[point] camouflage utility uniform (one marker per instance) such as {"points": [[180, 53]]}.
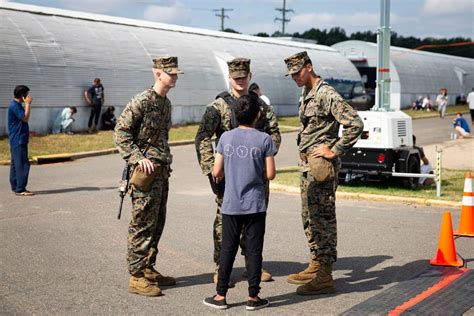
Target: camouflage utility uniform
{"points": [[145, 116], [322, 110], [217, 119]]}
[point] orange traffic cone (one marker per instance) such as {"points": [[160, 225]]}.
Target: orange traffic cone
{"points": [[446, 255], [466, 224]]}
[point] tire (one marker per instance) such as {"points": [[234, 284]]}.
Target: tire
{"points": [[412, 167]]}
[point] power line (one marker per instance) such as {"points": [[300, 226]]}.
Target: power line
{"points": [[283, 19], [222, 15]]}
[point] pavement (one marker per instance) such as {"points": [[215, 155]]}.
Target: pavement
{"points": [[63, 250]]}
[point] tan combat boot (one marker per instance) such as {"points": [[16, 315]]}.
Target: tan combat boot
{"points": [[153, 275], [321, 284], [143, 286], [306, 275]]}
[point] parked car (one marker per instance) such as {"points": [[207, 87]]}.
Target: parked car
{"points": [[353, 92]]}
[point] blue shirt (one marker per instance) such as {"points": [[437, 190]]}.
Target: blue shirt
{"points": [[244, 152], [461, 121], [18, 131]]}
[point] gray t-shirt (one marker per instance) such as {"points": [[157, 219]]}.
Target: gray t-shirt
{"points": [[244, 152]]}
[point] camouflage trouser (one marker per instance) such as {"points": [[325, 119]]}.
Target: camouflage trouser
{"points": [[146, 225], [218, 227], [318, 201]]}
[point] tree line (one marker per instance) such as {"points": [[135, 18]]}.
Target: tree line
{"points": [[448, 46]]}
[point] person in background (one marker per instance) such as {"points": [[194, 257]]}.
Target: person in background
{"points": [[95, 98], [461, 126], [470, 102], [108, 119], [425, 167], [18, 137], [256, 89], [64, 120], [442, 101], [417, 104], [426, 105]]}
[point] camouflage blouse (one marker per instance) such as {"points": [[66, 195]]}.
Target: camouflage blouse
{"points": [[146, 115], [322, 110]]}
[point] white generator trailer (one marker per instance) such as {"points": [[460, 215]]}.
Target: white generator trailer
{"points": [[385, 149]]}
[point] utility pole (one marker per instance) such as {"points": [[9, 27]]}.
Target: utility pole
{"points": [[222, 15], [283, 19]]}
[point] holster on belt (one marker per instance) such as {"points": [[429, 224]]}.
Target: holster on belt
{"points": [[143, 181], [320, 168]]}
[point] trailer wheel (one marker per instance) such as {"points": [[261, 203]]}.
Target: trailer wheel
{"points": [[412, 167]]}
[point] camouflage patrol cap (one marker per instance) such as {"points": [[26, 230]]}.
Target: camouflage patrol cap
{"points": [[167, 64], [239, 67], [295, 62]]}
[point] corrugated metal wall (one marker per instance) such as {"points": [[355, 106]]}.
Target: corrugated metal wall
{"points": [[418, 73], [58, 53]]}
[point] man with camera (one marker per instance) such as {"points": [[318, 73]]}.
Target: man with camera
{"points": [[141, 135]]}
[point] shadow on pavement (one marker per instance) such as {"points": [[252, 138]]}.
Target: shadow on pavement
{"points": [[358, 278], [66, 190]]}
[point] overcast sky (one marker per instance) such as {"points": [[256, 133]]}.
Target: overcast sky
{"points": [[420, 18]]}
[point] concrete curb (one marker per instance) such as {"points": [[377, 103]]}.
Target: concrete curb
{"points": [[373, 197]]}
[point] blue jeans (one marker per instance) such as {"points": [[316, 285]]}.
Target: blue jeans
{"points": [[19, 168]]}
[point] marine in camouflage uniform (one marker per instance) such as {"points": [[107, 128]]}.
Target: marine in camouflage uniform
{"points": [[141, 135], [219, 118], [322, 110]]}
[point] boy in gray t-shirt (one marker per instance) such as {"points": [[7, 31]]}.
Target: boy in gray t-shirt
{"points": [[245, 158]]}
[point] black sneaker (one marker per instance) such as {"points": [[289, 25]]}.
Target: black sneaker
{"points": [[257, 304], [210, 301]]}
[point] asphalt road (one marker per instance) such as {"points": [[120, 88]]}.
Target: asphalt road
{"points": [[63, 250]]}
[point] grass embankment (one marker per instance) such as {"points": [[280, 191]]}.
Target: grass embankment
{"points": [[450, 110], [62, 143], [294, 121], [452, 185]]}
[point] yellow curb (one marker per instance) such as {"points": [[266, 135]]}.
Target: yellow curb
{"points": [[373, 197]]}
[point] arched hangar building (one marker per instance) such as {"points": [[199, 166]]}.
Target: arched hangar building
{"points": [[57, 53], [413, 73]]}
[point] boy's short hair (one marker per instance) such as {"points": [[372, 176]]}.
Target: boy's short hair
{"points": [[73, 109], [246, 109], [21, 92]]}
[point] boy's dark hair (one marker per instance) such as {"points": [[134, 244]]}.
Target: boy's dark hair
{"points": [[74, 109], [247, 108], [253, 86], [21, 92]]}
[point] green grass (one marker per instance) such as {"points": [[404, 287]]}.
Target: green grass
{"points": [[293, 121], [452, 185], [451, 109], [62, 143]]}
